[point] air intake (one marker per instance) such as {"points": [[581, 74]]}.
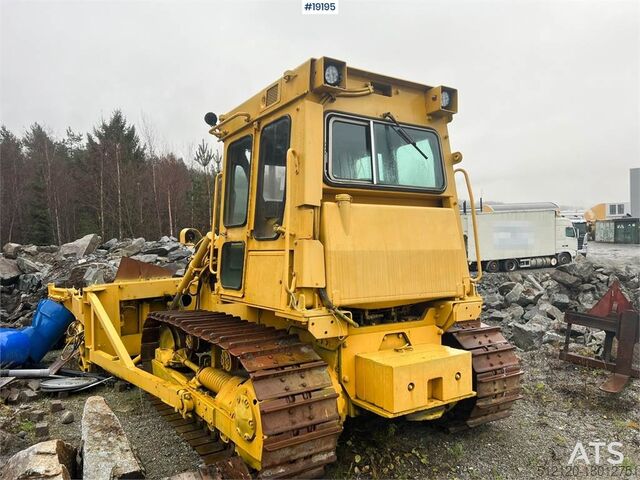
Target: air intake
{"points": [[272, 95]]}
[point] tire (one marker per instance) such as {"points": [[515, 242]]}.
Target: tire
{"points": [[564, 258], [510, 265], [492, 266]]}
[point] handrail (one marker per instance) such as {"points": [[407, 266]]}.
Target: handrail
{"points": [[474, 221], [215, 130], [356, 92], [286, 218], [214, 214]]}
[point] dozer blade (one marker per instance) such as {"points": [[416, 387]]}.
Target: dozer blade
{"points": [[131, 269]]}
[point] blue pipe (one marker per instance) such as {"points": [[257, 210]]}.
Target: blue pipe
{"points": [[50, 322]]}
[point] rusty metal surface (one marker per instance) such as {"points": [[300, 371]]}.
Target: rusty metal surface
{"points": [[297, 401], [612, 303], [615, 315], [130, 269], [195, 433], [497, 374], [593, 363]]}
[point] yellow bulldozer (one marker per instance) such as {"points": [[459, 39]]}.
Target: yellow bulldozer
{"points": [[334, 281]]}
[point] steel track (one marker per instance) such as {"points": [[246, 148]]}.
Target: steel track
{"points": [[298, 408], [496, 374]]}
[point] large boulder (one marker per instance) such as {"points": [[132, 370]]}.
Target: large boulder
{"points": [[513, 296], [92, 276], [516, 312], [550, 286], [9, 271], [529, 296], [494, 301], [11, 250], [560, 300], [146, 258], [506, 287], [81, 247], [566, 279], [586, 300], [51, 460], [161, 248], [108, 245], [179, 254], [106, 451], [27, 266], [528, 336], [550, 311], [130, 248], [581, 268], [30, 282]]}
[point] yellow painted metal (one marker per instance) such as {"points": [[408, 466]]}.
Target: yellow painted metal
{"points": [[368, 267], [419, 377], [474, 221], [397, 255]]}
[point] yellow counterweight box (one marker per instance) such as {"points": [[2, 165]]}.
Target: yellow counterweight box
{"points": [[414, 378]]}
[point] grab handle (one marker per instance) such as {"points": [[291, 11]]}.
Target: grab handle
{"points": [[474, 221]]}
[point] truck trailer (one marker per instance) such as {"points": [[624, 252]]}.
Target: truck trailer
{"points": [[520, 239]]}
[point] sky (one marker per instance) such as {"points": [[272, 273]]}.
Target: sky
{"points": [[549, 91]]}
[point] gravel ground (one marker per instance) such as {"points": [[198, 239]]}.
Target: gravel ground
{"points": [[160, 449], [562, 405]]}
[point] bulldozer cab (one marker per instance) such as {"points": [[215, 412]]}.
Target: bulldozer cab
{"points": [[338, 183]]}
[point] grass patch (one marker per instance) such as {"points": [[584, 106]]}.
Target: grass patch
{"points": [[456, 450], [27, 426]]}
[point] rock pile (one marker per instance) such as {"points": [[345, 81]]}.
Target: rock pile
{"points": [[530, 305], [26, 270], [104, 451]]}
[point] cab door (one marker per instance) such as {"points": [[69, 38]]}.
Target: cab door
{"points": [[271, 184], [237, 185], [266, 260]]}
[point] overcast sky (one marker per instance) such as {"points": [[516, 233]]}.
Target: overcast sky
{"points": [[549, 104]]}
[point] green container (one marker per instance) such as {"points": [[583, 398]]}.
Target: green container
{"points": [[627, 230]]}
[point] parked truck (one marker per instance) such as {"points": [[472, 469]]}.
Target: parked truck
{"points": [[520, 239]]}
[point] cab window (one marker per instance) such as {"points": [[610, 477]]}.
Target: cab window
{"points": [[570, 232], [237, 182], [272, 175], [383, 154], [402, 164], [351, 151]]}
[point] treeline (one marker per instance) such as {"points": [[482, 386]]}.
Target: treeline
{"points": [[109, 181]]}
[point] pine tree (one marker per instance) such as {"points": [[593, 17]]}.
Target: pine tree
{"points": [[39, 231]]}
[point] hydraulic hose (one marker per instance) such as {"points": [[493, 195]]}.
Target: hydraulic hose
{"points": [[326, 301]]}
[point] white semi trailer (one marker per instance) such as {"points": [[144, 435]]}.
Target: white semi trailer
{"points": [[520, 239]]}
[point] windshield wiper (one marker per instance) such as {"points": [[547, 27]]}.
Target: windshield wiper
{"points": [[404, 135]]}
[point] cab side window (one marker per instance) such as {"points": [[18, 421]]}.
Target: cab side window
{"points": [[272, 175], [237, 184]]}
